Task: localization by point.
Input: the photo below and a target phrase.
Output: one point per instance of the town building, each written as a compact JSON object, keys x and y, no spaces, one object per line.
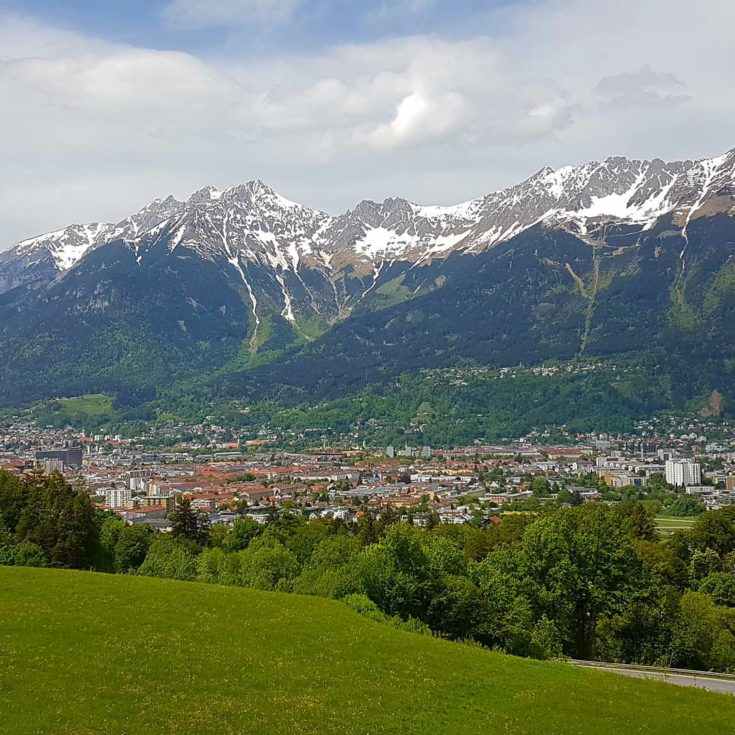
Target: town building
{"x":683,"y":472}
{"x":118,"y":497}
{"x":71,"y":457}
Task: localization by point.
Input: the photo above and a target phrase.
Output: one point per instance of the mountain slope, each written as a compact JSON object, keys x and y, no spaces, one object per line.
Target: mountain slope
{"x":44,"y":257}
{"x":193,"y":658}
{"x":598,"y":259}
{"x":546,"y":294}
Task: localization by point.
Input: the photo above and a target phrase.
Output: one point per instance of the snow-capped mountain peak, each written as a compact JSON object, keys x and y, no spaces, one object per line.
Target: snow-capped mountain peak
{"x":204,"y":196}
{"x":253,"y":222}
{"x":65,"y":246}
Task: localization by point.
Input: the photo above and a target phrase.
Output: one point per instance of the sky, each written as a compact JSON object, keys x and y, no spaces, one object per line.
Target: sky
{"x":105,"y":106}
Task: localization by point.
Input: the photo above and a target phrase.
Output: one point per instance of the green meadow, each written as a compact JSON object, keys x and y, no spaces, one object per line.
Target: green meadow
{"x":84,"y":653}
{"x":88,"y":410}
{"x":669,"y":524}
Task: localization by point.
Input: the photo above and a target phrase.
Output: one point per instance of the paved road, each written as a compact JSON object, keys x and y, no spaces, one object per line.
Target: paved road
{"x":700,"y":680}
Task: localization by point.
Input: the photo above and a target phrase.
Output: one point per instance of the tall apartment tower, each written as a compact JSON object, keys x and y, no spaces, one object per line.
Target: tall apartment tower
{"x":683,"y":472}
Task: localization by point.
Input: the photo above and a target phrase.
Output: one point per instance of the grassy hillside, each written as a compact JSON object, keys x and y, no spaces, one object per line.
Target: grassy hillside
{"x":89,"y":653}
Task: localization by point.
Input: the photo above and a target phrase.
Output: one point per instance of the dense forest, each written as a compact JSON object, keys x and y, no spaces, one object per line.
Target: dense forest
{"x":590,"y":581}
{"x":440,"y":407}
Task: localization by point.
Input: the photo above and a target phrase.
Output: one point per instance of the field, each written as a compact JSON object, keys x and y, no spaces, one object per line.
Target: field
{"x":88,"y":653}
{"x":92,"y":405}
{"x":88,"y":410}
{"x":669,"y":524}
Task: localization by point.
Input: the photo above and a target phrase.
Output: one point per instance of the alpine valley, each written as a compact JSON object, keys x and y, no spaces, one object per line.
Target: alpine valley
{"x":603,"y":293}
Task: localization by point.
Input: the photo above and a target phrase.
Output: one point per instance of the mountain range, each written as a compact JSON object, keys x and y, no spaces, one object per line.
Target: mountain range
{"x":259,"y":294}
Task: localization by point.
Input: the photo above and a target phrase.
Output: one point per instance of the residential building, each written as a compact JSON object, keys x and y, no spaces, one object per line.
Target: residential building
{"x":683,"y":472}
{"x":50,"y":465}
{"x":117,"y":497}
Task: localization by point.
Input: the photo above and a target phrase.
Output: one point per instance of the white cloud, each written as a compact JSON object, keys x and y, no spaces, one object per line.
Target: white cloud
{"x":641,"y":88}
{"x":546,"y":118}
{"x":419,"y":118}
{"x":91,"y":129}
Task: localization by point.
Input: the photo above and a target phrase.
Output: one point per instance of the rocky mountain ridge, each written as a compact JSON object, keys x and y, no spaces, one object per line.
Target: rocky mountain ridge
{"x":601,"y":259}
{"x":251,"y":222}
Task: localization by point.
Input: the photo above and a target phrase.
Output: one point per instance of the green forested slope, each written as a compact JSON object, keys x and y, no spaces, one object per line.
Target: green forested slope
{"x":175,"y":337}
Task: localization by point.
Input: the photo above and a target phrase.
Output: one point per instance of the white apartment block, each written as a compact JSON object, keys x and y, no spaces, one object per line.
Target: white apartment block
{"x":683,"y":472}
{"x":117,"y":497}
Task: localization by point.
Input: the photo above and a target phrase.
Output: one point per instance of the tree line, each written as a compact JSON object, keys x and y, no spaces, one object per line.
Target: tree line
{"x":594,"y":581}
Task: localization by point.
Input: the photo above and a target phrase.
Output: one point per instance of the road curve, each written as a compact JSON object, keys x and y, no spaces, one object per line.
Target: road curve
{"x":701,"y":679}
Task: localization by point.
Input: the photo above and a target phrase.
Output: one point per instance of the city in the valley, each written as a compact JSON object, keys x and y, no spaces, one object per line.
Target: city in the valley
{"x":681,"y":469}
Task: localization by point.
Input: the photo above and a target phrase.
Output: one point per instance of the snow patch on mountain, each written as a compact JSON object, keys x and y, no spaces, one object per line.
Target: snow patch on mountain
{"x":379,"y":241}
{"x":252,"y":223}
